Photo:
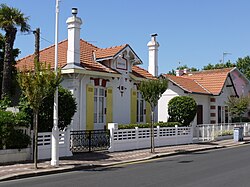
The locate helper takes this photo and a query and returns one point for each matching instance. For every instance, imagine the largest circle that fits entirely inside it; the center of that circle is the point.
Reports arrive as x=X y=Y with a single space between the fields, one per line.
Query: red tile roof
x=141 y=73
x=108 y=52
x=204 y=82
x=87 y=53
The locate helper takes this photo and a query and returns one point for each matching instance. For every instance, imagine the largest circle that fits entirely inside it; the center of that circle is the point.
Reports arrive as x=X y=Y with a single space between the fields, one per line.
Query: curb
x=90 y=166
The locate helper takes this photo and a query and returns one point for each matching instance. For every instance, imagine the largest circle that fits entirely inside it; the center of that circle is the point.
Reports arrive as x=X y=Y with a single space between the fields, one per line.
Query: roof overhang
x=87 y=72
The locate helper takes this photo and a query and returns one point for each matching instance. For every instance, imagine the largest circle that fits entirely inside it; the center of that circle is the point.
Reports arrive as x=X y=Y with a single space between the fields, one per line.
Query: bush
x=147 y=125
x=11 y=137
x=182 y=109
x=66 y=110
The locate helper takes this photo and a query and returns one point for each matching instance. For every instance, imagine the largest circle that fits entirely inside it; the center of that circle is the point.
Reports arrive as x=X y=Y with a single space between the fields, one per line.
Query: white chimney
x=74 y=26
x=179 y=72
x=153 y=55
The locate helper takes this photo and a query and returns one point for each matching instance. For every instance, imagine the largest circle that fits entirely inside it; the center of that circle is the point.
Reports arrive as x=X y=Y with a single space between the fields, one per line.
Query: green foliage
x=228 y=64
x=11 y=137
x=243 y=64
x=10 y=19
x=66 y=110
x=37 y=85
x=5 y=103
x=153 y=89
x=182 y=109
x=147 y=125
x=238 y=106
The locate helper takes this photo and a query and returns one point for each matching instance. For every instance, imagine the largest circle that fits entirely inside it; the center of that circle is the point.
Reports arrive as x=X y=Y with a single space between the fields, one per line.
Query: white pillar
x=153 y=55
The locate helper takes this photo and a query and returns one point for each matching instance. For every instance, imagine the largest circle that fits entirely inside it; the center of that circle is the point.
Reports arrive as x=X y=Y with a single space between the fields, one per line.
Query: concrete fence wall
x=138 y=138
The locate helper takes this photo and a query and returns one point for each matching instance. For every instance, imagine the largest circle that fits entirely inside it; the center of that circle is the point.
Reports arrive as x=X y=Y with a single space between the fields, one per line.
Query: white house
x=209 y=88
x=103 y=80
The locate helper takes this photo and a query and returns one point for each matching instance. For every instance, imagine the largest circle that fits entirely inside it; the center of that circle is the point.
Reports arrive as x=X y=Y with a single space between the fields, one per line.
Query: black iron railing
x=89 y=140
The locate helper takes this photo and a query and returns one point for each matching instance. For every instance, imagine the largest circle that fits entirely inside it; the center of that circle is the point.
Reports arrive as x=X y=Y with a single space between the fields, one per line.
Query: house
x=209 y=88
x=103 y=80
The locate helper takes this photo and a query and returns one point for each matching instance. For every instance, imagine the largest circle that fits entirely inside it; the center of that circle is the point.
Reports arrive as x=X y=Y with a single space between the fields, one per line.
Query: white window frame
x=141 y=105
x=99 y=105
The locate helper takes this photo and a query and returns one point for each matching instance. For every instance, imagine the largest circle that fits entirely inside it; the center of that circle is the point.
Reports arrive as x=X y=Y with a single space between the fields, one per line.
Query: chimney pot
x=74 y=11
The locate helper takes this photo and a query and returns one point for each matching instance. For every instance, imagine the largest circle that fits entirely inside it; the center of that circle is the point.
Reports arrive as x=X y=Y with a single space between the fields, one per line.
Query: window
x=219 y=114
x=99 y=105
x=140 y=108
x=226 y=115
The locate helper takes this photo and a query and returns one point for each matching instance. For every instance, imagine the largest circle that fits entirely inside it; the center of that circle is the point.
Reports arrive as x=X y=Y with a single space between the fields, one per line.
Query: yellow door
x=133 y=104
x=109 y=106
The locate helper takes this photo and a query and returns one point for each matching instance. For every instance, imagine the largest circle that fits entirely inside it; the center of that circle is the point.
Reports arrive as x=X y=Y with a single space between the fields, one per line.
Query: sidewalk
x=102 y=159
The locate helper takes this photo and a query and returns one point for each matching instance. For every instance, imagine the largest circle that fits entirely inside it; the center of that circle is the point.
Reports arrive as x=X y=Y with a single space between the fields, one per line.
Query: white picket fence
x=210 y=132
x=138 y=138
x=44 y=144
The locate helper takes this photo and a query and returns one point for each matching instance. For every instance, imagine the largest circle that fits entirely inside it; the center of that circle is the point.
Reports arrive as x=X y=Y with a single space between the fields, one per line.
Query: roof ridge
x=112 y=47
x=201 y=86
x=89 y=43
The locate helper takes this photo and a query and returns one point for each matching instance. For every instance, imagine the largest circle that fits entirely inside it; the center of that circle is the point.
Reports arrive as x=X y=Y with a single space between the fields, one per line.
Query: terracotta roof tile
x=186 y=84
x=47 y=55
x=204 y=82
x=142 y=73
x=108 y=52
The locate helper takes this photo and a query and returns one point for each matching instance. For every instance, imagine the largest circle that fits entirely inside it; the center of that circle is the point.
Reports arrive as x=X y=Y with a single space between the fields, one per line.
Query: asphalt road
x=224 y=167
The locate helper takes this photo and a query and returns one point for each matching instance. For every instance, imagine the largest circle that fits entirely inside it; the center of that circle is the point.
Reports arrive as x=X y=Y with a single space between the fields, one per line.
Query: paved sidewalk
x=102 y=159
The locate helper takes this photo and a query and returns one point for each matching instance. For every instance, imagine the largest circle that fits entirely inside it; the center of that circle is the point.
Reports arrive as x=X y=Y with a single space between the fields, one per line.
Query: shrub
x=182 y=109
x=147 y=125
x=66 y=110
x=11 y=137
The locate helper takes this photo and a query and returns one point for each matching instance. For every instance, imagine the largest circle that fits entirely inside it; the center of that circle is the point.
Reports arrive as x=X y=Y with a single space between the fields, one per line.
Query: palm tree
x=10 y=19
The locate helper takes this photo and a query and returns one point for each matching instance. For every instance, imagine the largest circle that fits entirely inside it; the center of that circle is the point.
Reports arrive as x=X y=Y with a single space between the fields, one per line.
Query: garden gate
x=89 y=140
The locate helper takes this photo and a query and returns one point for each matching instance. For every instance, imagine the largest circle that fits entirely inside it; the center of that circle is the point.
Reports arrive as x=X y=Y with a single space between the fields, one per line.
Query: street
x=223 y=167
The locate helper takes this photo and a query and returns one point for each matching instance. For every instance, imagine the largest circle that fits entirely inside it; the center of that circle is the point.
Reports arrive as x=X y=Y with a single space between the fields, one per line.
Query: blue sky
x=192 y=32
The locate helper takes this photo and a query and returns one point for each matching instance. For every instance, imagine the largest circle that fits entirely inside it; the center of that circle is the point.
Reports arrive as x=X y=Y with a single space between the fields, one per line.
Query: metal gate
x=89 y=140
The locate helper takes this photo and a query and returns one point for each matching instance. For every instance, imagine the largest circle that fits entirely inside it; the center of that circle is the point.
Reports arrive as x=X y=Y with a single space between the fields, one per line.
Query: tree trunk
x=8 y=57
x=35 y=126
x=152 y=140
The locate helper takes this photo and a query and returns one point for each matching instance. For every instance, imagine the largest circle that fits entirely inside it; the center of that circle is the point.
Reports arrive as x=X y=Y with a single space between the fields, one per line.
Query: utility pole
x=55 y=130
x=35 y=128
x=37 y=44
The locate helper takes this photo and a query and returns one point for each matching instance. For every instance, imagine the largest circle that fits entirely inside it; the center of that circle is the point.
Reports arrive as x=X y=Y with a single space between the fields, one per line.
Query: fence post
x=136 y=138
x=67 y=142
x=176 y=134
x=112 y=127
x=89 y=140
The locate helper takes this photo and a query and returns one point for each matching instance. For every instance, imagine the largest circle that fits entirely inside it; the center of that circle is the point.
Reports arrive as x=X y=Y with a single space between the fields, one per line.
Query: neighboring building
x=209 y=88
x=103 y=81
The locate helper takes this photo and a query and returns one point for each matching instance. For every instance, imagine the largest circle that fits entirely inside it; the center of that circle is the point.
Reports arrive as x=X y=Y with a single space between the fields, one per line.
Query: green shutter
x=109 y=106
x=90 y=107
x=133 y=104
x=148 y=113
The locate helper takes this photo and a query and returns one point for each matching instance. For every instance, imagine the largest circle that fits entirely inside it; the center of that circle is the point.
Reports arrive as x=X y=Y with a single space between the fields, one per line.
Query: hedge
x=147 y=125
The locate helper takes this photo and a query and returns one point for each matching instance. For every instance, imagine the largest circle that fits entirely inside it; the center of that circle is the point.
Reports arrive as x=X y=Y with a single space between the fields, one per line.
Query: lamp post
x=223 y=56
x=55 y=130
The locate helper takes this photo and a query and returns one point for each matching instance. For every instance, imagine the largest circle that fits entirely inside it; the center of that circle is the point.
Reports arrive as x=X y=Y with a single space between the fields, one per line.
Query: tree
x=238 y=106
x=228 y=64
x=192 y=69
x=36 y=85
x=243 y=64
x=151 y=92
x=10 y=19
x=66 y=111
x=182 y=109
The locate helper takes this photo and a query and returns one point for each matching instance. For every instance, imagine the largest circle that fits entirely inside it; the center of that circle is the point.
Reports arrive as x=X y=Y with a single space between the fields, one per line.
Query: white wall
x=171 y=92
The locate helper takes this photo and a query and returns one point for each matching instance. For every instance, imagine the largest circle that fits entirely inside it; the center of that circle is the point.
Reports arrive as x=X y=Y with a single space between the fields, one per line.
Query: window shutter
x=90 y=107
x=109 y=106
x=133 y=105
